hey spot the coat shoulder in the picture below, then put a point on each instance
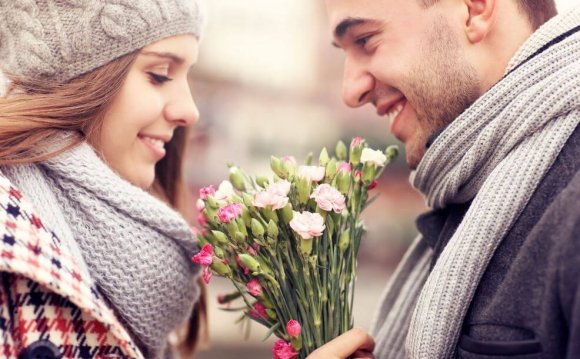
(39, 271)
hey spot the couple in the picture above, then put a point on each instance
(485, 95)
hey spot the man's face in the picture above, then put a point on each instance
(408, 62)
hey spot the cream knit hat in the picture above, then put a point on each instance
(63, 39)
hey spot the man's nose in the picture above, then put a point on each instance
(357, 84)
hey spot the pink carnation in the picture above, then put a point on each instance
(328, 198)
(293, 328)
(206, 274)
(357, 141)
(206, 192)
(205, 256)
(202, 220)
(241, 265)
(344, 167)
(230, 212)
(259, 311)
(276, 196)
(283, 350)
(312, 173)
(308, 225)
(254, 287)
(372, 185)
(289, 159)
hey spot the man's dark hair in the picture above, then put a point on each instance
(537, 11)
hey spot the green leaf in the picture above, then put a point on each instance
(271, 331)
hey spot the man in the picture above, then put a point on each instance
(485, 95)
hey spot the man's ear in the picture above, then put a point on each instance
(480, 20)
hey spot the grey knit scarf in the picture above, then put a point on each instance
(136, 248)
(495, 153)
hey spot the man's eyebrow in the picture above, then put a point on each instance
(342, 28)
(168, 55)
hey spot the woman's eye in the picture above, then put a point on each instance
(158, 79)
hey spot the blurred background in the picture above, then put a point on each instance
(268, 82)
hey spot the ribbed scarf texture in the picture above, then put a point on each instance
(135, 247)
(495, 153)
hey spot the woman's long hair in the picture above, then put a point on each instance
(33, 113)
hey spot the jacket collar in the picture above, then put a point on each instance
(28, 247)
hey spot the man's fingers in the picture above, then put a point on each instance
(346, 344)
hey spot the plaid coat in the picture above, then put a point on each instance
(49, 305)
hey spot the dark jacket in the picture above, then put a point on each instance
(527, 304)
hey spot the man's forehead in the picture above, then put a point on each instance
(342, 14)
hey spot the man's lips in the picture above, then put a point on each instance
(392, 110)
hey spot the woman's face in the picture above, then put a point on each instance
(154, 100)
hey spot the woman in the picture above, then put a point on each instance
(92, 264)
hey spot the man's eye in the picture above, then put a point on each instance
(158, 79)
(362, 41)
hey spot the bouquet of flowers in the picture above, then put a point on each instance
(289, 243)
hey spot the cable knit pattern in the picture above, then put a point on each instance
(136, 248)
(495, 153)
(63, 39)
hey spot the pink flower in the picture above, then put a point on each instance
(205, 256)
(308, 225)
(200, 204)
(293, 328)
(328, 198)
(289, 159)
(372, 185)
(206, 192)
(202, 220)
(225, 191)
(241, 265)
(344, 167)
(206, 273)
(259, 311)
(283, 350)
(275, 196)
(357, 141)
(254, 287)
(312, 173)
(230, 212)
(221, 299)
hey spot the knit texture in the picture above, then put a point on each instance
(136, 248)
(495, 153)
(63, 39)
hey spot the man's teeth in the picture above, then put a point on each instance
(391, 115)
(155, 142)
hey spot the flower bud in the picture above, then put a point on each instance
(262, 181)
(343, 182)
(391, 152)
(218, 252)
(270, 214)
(226, 298)
(277, 167)
(308, 160)
(343, 241)
(257, 228)
(331, 168)
(221, 268)
(341, 151)
(304, 186)
(323, 158)
(212, 202)
(240, 238)
(273, 231)
(250, 262)
(356, 148)
(220, 237)
(287, 213)
(237, 179)
(293, 328)
(369, 172)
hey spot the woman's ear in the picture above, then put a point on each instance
(480, 20)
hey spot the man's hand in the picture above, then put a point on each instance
(353, 344)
